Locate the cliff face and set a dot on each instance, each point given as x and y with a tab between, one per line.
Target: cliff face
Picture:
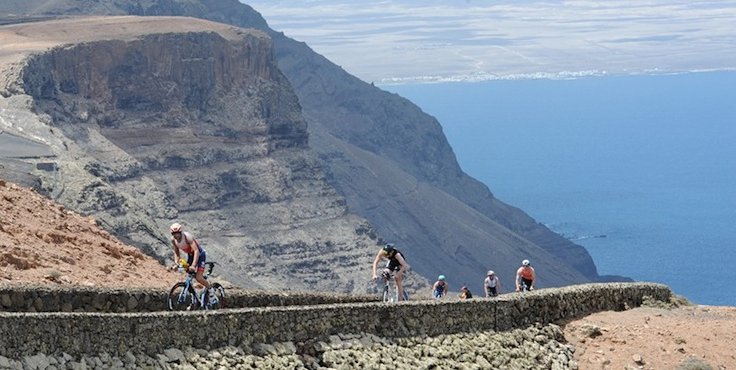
197	126
411	187
395	167
392	163
156	73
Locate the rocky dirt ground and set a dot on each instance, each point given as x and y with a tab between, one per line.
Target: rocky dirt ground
656	338
43	243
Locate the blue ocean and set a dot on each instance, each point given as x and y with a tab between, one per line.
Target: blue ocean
640	170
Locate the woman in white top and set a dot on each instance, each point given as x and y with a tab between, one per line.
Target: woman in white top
492	284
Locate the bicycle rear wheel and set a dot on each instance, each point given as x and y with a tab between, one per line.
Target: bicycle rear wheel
218	300
180	299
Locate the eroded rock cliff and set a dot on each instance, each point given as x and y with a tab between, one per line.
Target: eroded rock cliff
190	121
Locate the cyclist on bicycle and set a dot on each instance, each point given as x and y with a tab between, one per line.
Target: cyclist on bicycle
396	263
465	293
196	255
492	284
439	289
525	276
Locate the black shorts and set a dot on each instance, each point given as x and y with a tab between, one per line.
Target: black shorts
393	265
492	292
527	282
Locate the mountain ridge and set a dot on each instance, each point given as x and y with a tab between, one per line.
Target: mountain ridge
350	121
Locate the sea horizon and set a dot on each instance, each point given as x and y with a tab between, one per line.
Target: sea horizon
638	169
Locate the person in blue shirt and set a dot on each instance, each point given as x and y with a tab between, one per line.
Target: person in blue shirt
440	287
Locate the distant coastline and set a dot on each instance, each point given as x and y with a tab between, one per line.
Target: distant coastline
562	75
434	42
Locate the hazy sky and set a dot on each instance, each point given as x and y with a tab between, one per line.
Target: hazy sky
444	40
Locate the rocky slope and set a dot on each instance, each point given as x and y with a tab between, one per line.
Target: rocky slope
389	160
41	242
688	337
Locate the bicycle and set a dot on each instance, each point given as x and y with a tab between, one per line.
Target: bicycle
183	296
389	295
524	288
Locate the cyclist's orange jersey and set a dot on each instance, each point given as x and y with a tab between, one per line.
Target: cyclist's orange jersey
527	273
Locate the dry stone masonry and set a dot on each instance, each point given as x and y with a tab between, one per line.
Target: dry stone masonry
80	333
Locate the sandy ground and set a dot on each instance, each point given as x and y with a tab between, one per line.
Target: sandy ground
655	338
41	242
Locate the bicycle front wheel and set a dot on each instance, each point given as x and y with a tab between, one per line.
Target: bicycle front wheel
180	299
386	294
218	300
390	294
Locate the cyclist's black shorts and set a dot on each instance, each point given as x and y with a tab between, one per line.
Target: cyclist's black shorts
393	265
527	282
491	291
201	261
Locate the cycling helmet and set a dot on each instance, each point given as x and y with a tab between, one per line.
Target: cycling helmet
175	227
490	273
525	262
388	247
441	277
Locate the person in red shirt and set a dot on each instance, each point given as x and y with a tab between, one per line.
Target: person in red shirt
525	276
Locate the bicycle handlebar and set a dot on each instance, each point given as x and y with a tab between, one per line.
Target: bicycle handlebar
210	267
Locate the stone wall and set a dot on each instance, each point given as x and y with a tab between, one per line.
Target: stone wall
78	333
60	299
